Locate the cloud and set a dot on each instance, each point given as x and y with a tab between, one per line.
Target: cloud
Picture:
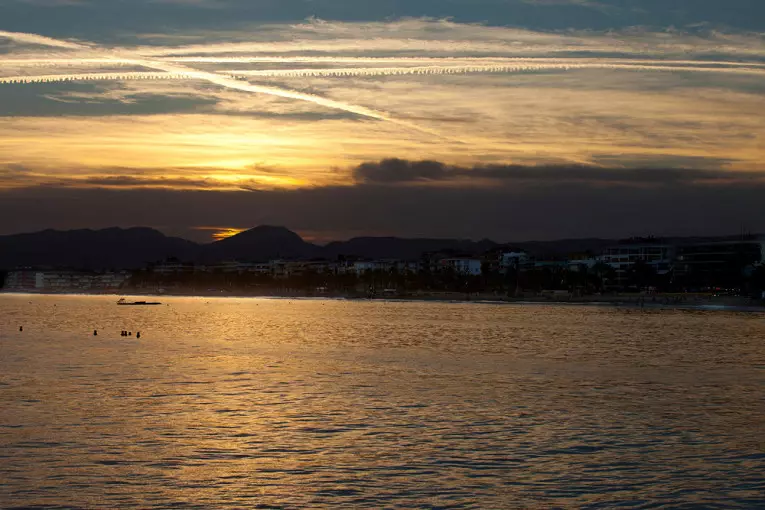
521	211
391	172
308	97
398	171
178	71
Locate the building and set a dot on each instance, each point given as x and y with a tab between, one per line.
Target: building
386	266
464	266
65	281
718	263
623	257
24	279
512	260
173	267
233	266
405	267
582	263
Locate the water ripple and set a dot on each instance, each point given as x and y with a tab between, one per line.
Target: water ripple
246	403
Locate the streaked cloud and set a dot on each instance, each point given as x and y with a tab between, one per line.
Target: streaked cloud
409	105
398	172
511	212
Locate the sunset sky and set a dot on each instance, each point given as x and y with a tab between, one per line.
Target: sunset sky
509	119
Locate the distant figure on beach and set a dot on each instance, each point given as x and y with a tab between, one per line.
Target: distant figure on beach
95	332
21	328
138	335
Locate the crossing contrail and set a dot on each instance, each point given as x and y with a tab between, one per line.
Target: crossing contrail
231	83
383	61
474	69
163	65
61	62
222	77
52	78
452	60
223	81
42	40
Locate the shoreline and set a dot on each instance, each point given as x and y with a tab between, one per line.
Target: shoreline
650	302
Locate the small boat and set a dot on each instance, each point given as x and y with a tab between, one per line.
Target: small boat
137	303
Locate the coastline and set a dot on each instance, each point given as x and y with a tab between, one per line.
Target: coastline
650	302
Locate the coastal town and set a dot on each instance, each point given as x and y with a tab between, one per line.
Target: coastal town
724	267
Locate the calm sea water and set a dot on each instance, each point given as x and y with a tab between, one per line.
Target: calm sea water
257	403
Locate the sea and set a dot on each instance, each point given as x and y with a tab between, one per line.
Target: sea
286	403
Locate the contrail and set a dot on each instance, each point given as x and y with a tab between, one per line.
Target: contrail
172	68
42	40
234	84
449	60
51	78
221	77
229	82
60	62
434	63
445	70
331	59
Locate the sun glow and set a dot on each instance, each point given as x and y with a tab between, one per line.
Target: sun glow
275	181
219	233
245	112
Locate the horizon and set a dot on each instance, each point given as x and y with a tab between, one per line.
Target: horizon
324	243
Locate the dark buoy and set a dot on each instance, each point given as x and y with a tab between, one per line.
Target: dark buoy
95	332
138	335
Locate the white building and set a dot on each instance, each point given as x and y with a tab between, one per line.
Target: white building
63	281
21	280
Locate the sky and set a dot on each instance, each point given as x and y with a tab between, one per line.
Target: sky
508	119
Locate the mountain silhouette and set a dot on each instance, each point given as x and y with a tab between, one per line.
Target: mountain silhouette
261	244
92	249
133	248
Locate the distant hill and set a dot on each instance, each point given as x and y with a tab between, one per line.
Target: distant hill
136	247
261	244
92	249
398	248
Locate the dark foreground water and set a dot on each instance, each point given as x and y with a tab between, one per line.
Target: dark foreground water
255	403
